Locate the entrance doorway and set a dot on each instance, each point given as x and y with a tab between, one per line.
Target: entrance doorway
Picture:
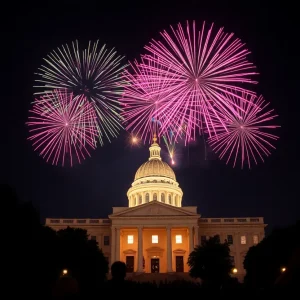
154	265
130	264
179	264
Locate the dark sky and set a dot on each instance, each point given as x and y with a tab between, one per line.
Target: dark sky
91	189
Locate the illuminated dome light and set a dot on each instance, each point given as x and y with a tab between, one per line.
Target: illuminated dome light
155	181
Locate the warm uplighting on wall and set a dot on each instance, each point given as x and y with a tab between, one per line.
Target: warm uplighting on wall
234	270
283	269
178	239
130	239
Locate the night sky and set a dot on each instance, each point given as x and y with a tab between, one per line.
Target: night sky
89	190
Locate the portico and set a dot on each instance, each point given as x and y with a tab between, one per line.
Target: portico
154	237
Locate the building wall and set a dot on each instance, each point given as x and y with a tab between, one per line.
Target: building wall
235	227
180	249
129	249
238	228
99	228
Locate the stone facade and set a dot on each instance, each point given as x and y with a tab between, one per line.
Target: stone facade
157	235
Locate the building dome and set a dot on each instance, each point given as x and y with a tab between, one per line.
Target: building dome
155	167
154	181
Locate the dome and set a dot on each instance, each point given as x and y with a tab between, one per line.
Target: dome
154	181
155	167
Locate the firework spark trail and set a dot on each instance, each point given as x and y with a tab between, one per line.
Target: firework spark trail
94	73
247	137
63	128
201	69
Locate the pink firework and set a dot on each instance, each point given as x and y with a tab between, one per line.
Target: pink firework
144	103
200	67
63	129
247	134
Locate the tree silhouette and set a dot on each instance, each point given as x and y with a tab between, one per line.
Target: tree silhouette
37	254
264	262
82	257
211	262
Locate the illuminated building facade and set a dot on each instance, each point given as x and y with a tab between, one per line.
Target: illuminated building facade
155	233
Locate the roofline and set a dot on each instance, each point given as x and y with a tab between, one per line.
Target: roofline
180	209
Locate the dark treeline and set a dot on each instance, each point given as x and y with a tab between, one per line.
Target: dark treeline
35	256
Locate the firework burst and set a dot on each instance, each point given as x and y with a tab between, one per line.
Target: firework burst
94	73
63	129
195	70
143	103
247	136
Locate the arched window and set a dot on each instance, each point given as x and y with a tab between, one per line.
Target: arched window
147	197
154	197
176	200
170	199
163	198
140	199
155	181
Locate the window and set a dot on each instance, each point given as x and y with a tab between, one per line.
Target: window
130	239
170	199
232	260
163	198
93	237
106	240
147	197
255	239
243	240
140	199
178	239
230	239
154	197
203	239
154	239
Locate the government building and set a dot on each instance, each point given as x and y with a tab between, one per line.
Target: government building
155	233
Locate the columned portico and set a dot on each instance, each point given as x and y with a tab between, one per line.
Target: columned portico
154	237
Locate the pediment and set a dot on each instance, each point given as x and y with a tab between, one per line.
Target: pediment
179	251
154	208
155	251
129	251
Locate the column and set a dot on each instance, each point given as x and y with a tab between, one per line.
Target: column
196	237
191	238
113	245
117	237
140	249
169	250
